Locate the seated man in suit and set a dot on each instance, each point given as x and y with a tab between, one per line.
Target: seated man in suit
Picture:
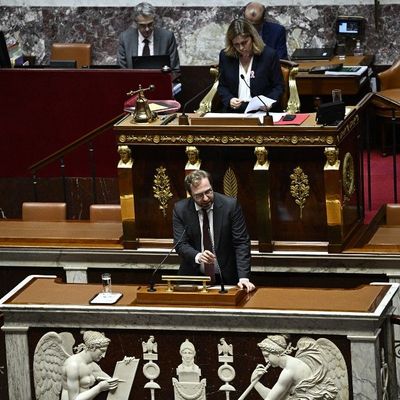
273	35
146	40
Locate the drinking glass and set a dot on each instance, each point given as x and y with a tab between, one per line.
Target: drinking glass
336	95
341	51
106	281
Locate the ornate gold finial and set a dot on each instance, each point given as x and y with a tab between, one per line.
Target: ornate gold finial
206	103
299	188
293	105
162	189
230	183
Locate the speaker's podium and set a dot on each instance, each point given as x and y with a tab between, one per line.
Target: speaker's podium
355	319
185	290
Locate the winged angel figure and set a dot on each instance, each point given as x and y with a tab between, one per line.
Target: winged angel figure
316	372
60	374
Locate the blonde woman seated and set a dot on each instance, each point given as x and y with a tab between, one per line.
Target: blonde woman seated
248	68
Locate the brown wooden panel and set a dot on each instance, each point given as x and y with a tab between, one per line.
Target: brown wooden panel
285	213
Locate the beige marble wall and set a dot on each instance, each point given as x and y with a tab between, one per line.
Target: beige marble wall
199	30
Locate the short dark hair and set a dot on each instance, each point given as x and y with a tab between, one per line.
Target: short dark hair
194	178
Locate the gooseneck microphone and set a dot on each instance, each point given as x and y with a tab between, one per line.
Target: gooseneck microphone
152	279
267	118
222	290
258	97
183	118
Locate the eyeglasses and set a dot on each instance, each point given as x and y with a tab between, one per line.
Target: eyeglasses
145	26
199	196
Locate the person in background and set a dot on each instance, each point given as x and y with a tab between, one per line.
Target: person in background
248	68
273	34
230	253
146	40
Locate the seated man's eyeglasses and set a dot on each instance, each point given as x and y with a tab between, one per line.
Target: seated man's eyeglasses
145	26
199	196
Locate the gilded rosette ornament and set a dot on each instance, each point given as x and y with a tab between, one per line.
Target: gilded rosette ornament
299	188
162	189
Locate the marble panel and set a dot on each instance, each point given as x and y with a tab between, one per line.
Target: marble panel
199	30
365	358
17	344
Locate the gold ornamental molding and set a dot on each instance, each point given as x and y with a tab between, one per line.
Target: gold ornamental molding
232	139
162	189
351	124
348	177
299	188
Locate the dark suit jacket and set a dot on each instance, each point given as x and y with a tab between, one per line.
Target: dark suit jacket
274	35
164	43
231	240
267	79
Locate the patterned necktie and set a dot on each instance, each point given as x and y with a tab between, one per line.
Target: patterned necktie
146	48
207	244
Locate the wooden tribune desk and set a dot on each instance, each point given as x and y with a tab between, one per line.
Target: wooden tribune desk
322	85
355	319
298	200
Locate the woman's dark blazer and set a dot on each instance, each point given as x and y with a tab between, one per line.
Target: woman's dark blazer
266	78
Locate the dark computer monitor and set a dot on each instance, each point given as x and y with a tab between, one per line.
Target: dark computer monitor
151	62
349	26
104	66
324	53
63	63
4	56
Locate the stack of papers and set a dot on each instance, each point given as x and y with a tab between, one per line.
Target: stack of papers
258	102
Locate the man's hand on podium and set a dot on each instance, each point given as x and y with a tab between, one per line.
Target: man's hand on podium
244	283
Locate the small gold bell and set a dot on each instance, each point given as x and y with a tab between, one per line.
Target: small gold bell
142	110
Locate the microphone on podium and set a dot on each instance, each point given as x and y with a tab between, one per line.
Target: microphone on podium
152	279
222	290
267	119
183	118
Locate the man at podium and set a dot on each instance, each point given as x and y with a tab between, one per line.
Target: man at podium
210	234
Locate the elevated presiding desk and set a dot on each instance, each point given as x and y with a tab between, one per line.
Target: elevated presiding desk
354	319
306	192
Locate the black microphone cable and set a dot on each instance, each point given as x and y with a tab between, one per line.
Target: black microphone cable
152	280
222	290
